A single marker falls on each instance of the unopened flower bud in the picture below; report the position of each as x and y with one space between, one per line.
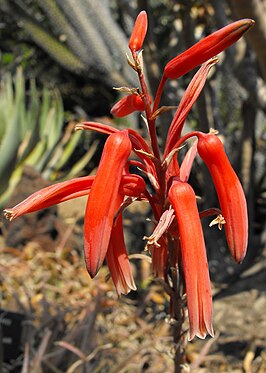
139 32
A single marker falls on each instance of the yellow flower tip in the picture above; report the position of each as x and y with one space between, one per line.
213 131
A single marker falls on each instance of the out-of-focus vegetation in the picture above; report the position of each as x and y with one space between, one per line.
82 46
32 133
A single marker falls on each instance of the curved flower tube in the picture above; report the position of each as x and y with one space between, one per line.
194 259
101 205
51 195
230 193
131 185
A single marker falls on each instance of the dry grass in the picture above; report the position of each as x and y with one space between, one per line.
75 324
78 325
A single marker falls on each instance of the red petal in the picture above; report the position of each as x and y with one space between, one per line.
132 185
117 258
127 105
194 259
103 128
51 195
139 32
206 48
101 206
230 193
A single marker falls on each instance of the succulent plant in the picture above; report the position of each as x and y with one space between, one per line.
32 133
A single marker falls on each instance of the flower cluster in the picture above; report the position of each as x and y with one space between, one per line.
177 240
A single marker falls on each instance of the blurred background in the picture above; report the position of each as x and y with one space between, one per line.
59 62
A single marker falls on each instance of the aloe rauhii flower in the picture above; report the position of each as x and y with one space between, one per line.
177 244
230 193
101 206
194 259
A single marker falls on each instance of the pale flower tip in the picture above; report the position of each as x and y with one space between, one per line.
125 285
211 332
249 22
240 256
202 334
127 290
191 336
78 127
130 282
9 214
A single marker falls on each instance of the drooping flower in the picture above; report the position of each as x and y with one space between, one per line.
117 258
194 259
101 206
230 193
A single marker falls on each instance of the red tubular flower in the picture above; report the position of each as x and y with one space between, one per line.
101 206
230 193
206 48
51 195
139 32
127 105
117 258
131 185
198 289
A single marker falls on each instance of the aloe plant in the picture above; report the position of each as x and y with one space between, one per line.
83 37
31 133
